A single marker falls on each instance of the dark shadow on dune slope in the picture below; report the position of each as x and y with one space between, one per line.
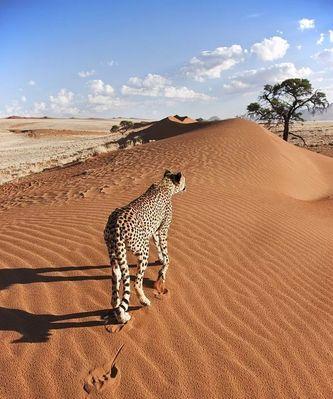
26 275
38 327
163 129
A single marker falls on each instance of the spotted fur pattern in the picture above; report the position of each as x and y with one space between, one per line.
130 228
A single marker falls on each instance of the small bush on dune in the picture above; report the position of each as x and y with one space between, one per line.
114 128
126 124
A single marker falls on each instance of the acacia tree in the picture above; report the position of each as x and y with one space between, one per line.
285 103
125 125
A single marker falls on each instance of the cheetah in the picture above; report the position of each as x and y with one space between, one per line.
130 228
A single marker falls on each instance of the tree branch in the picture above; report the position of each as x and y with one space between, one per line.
300 137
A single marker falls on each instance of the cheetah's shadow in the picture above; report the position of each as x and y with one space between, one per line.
25 275
36 328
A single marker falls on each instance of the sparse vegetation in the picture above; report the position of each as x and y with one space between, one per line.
126 125
123 127
285 103
114 128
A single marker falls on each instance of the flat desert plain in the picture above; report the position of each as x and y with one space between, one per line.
318 135
249 309
30 145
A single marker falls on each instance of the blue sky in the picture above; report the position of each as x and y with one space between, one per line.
154 58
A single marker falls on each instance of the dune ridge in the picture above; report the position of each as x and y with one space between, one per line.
167 127
249 311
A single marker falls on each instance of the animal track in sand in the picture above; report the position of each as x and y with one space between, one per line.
112 326
105 189
102 378
160 291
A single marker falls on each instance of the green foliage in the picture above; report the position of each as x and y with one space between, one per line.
285 102
122 127
126 125
114 128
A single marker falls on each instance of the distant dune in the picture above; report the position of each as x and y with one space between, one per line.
249 308
167 127
26 117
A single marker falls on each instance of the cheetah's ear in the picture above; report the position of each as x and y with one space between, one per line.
167 173
177 177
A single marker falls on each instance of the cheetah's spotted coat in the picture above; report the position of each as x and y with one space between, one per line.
130 228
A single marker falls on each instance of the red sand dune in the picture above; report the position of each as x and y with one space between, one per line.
167 127
181 119
249 311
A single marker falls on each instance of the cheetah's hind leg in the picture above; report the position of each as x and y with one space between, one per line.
142 265
121 312
160 283
156 239
116 278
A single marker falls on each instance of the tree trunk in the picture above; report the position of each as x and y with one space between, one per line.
286 130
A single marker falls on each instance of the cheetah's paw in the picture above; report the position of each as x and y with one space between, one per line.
145 301
123 317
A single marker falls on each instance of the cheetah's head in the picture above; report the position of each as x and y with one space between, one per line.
177 179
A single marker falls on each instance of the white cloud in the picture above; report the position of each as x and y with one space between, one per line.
211 63
102 97
325 56
299 47
39 107
254 79
306 23
86 74
31 82
102 102
330 33
321 39
62 103
13 109
64 97
99 87
184 93
23 99
271 49
154 85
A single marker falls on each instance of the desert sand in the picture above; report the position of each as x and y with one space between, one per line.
30 145
78 124
249 309
315 133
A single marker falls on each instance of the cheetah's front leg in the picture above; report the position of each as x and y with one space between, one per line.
142 265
